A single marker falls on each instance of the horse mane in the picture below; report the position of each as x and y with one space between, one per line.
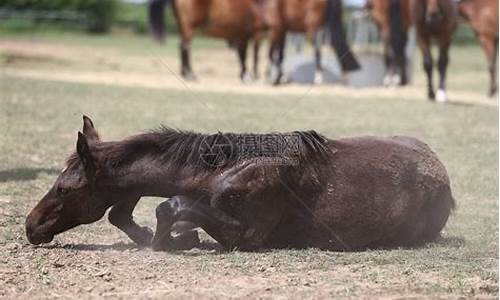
197 150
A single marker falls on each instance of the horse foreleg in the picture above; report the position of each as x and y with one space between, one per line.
185 49
256 47
388 59
427 60
316 41
442 66
120 216
219 225
278 56
493 70
242 55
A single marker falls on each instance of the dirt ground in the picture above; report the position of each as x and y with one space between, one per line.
47 83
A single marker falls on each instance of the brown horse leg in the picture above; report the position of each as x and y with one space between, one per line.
120 216
222 227
256 47
185 49
427 58
242 55
493 70
444 47
316 41
278 54
490 47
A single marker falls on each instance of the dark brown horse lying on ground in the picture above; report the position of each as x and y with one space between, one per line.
435 19
393 20
247 191
483 17
235 21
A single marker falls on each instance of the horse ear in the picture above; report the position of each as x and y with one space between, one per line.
83 150
89 130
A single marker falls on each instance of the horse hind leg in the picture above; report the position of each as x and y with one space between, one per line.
493 59
425 226
185 49
441 95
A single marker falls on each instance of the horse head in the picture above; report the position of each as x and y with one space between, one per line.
76 197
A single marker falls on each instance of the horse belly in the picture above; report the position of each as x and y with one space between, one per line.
294 14
231 19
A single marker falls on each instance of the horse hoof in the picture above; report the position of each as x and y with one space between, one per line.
181 227
189 77
395 80
431 95
492 92
186 240
441 96
144 237
387 80
318 78
246 78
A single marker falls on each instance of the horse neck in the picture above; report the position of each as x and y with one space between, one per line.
144 172
162 179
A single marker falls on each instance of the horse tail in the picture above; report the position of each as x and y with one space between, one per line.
156 12
397 36
338 41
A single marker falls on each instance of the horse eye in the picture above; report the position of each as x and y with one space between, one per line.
62 191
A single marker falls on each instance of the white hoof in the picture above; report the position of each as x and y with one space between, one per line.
247 78
441 96
387 80
318 78
396 80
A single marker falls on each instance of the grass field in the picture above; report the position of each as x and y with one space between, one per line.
47 82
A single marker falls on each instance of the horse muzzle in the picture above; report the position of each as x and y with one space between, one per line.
39 239
35 237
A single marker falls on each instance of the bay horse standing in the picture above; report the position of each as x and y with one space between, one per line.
253 191
235 21
393 19
308 16
435 19
483 17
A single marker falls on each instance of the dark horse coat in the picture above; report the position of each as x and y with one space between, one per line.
346 194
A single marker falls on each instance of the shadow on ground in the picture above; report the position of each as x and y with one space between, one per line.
120 246
24 174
